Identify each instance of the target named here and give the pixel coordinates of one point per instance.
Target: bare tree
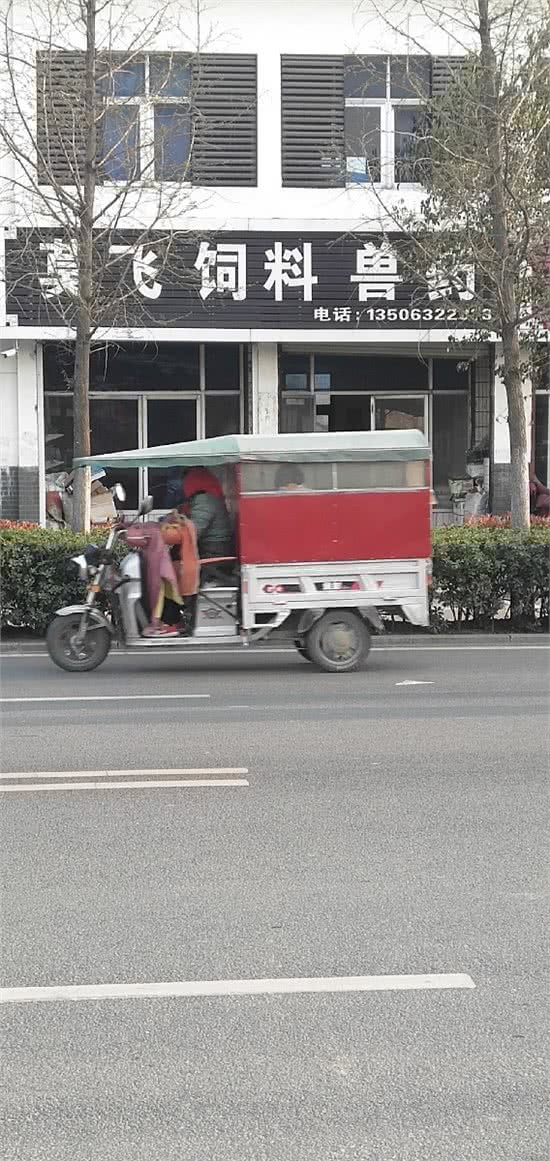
(82, 170)
(482, 154)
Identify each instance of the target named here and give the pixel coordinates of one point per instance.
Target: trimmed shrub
(479, 571)
(482, 570)
(36, 577)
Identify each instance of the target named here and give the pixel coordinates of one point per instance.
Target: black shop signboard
(268, 281)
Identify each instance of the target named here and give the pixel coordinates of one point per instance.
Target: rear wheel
(339, 642)
(77, 657)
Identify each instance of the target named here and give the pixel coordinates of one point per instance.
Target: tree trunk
(81, 436)
(517, 422)
(504, 283)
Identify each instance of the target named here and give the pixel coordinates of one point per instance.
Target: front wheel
(77, 657)
(339, 642)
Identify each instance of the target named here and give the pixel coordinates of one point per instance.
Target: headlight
(82, 566)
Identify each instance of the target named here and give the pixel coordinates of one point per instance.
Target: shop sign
(259, 281)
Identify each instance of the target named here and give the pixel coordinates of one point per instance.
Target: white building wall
(267, 28)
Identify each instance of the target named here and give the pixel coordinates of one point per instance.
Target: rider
(205, 506)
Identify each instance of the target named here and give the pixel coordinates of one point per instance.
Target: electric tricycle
(330, 531)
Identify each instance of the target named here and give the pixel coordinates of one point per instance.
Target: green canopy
(314, 447)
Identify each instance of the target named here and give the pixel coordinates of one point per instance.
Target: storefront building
(297, 333)
(281, 301)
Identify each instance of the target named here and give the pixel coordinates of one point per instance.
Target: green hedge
(477, 573)
(34, 575)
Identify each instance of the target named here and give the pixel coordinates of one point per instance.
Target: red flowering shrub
(505, 521)
(22, 524)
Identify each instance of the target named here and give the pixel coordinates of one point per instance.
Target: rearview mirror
(145, 506)
(119, 493)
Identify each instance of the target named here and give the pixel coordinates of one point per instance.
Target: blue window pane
(172, 142)
(169, 76)
(120, 143)
(124, 80)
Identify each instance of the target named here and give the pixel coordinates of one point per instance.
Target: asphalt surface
(387, 828)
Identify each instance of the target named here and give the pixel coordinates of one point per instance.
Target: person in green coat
(205, 506)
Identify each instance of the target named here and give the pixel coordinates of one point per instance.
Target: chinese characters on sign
(61, 269)
(144, 269)
(461, 282)
(376, 272)
(223, 269)
(289, 268)
(255, 281)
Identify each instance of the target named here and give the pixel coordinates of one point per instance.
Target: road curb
(387, 640)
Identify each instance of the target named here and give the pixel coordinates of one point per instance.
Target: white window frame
(145, 105)
(387, 106)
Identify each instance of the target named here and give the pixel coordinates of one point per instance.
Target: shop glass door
(450, 424)
(168, 419)
(114, 426)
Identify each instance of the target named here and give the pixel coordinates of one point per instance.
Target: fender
(368, 612)
(93, 614)
(371, 614)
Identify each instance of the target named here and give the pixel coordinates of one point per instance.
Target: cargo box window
(285, 477)
(364, 477)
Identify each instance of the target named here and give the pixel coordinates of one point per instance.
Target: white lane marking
(187, 783)
(453, 648)
(258, 987)
(196, 772)
(113, 697)
(414, 683)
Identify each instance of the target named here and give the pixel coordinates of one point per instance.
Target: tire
(302, 650)
(339, 642)
(89, 655)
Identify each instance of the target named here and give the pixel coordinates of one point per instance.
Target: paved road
(386, 829)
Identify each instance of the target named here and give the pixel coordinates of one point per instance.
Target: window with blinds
(163, 117)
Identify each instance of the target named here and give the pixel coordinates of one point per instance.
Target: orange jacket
(178, 531)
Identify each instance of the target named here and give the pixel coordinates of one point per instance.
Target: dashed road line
(155, 784)
(186, 989)
(189, 773)
(111, 697)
